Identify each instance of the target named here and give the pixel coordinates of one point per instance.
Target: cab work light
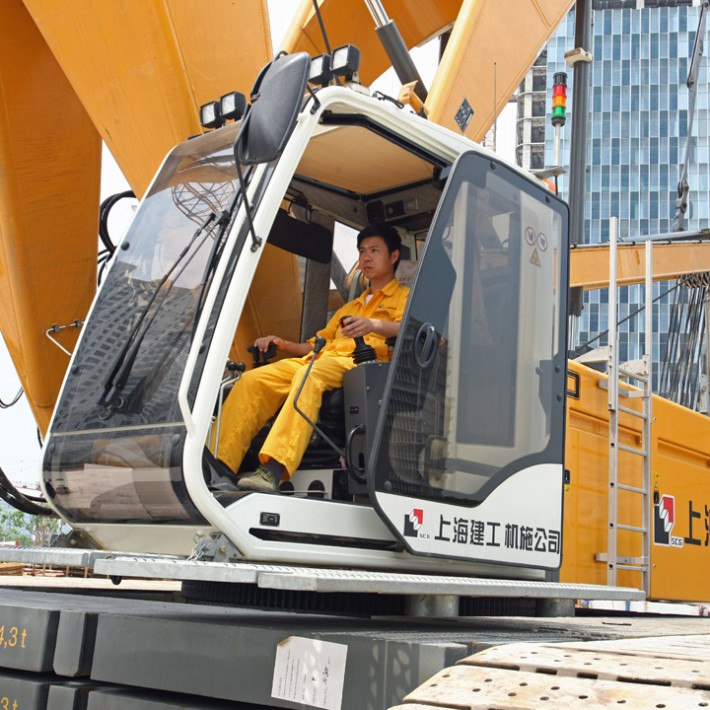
(345, 61)
(232, 106)
(211, 115)
(319, 72)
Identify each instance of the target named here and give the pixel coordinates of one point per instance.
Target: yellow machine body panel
(680, 537)
(482, 67)
(276, 308)
(680, 552)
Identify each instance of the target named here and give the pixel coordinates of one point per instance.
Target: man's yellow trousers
(257, 396)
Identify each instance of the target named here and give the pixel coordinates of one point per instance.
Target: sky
(19, 446)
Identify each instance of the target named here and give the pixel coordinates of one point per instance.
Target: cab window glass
(472, 394)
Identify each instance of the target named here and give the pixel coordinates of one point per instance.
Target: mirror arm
(256, 242)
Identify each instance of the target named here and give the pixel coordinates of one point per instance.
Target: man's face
(375, 261)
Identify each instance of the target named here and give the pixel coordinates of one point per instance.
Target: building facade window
(638, 114)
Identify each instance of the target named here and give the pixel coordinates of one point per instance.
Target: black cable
(669, 375)
(678, 380)
(385, 97)
(20, 502)
(255, 241)
(106, 206)
(102, 263)
(579, 350)
(7, 405)
(322, 27)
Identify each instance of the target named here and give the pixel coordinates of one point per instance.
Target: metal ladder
(641, 377)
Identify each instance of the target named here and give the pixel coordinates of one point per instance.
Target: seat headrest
(405, 271)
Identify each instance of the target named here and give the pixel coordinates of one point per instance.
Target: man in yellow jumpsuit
(259, 393)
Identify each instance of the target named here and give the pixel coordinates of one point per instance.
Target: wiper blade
(213, 261)
(111, 398)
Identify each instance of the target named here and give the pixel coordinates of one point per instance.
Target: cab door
(467, 460)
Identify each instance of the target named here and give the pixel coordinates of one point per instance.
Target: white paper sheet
(310, 672)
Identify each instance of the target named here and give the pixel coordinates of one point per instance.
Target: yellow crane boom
(589, 265)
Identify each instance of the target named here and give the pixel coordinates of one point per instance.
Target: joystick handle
(363, 352)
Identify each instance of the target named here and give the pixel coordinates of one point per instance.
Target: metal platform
(59, 556)
(82, 651)
(333, 591)
(64, 556)
(118, 565)
(312, 579)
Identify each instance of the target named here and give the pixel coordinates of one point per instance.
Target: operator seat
(331, 420)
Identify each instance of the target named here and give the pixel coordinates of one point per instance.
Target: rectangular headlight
(319, 72)
(233, 105)
(345, 60)
(210, 115)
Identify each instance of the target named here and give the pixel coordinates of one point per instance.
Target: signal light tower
(559, 109)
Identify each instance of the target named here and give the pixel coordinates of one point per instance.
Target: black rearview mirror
(276, 102)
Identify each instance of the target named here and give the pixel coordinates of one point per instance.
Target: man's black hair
(389, 235)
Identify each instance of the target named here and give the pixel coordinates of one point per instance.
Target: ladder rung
(640, 452)
(621, 560)
(628, 562)
(636, 561)
(633, 375)
(633, 568)
(630, 528)
(635, 394)
(633, 489)
(639, 392)
(633, 412)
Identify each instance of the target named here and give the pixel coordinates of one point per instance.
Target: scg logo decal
(413, 522)
(663, 520)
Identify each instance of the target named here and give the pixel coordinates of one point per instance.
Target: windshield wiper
(212, 261)
(112, 399)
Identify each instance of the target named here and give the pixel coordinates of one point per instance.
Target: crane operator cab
(451, 449)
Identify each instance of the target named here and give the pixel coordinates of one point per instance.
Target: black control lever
(262, 358)
(317, 347)
(363, 352)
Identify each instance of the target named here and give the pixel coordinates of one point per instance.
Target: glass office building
(637, 128)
